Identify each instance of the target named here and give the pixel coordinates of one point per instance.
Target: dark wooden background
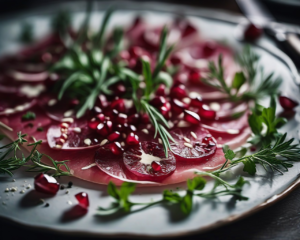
(279, 221)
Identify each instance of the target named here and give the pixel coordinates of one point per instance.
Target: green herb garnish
(28, 116)
(40, 129)
(259, 84)
(9, 164)
(276, 157)
(185, 201)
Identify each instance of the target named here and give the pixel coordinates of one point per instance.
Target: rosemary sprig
(258, 88)
(276, 157)
(152, 80)
(185, 201)
(9, 164)
(158, 121)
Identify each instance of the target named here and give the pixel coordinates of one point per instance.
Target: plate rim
(223, 16)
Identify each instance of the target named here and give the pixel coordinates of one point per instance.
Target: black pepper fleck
(47, 205)
(62, 187)
(70, 184)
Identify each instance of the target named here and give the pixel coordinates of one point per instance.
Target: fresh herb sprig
(259, 86)
(185, 201)
(275, 157)
(264, 124)
(88, 71)
(152, 81)
(10, 163)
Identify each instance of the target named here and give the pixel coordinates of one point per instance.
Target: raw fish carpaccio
(113, 142)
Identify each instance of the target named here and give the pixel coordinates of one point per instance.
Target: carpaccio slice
(74, 136)
(184, 170)
(192, 144)
(76, 141)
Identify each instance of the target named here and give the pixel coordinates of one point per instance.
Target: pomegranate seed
(252, 148)
(178, 106)
(124, 55)
(109, 126)
(101, 129)
(118, 104)
(119, 89)
(74, 102)
(116, 148)
(64, 136)
(156, 166)
(194, 77)
(103, 101)
(132, 128)
(165, 112)
(191, 117)
(104, 128)
(97, 110)
(113, 136)
(158, 101)
(47, 57)
(178, 92)
(189, 29)
(180, 78)
(134, 118)
(206, 112)
(161, 90)
(175, 60)
(132, 139)
(122, 118)
(208, 49)
(135, 51)
(120, 128)
(207, 139)
(145, 118)
(287, 103)
(60, 141)
(112, 114)
(93, 123)
(196, 102)
(46, 184)
(252, 32)
(100, 117)
(83, 199)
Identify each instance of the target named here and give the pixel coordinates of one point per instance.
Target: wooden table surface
(279, 221)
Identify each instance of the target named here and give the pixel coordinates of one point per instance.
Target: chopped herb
(28, 116)
(40, 129)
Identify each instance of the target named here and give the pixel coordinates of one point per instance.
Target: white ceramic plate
(159, 220)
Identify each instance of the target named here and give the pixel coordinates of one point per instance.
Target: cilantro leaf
(197, 183)
(171, 197)
(229, 154)
(186, 203)
(238, 80)
(249, 166)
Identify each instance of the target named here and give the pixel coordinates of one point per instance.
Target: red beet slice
(83, 199)
(46, 184)
(148, 161)
(192, 143)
